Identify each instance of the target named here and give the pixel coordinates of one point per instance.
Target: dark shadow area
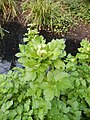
(72, 44)
(9, 45)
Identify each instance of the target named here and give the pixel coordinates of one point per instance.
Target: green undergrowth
(51, 15)
(56, 15)
(50, 86)
(80, 9)
(48, 14)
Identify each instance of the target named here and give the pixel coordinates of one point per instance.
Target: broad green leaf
(49, 94)
(3, 107)
(22, 48)
(40, 77)
(9, 104)
(60, 75)
(39, 92)
(87, 95)
(44, 85)
(30, 75)
(59, 64)
(27, 105)
(67, 110)
(30, 92)
(65, 117)
(18, 117)
(41, 114)
(64, 84)
(19, 109)
(75, 105)
(57, 91)
(83, 82)
(6, 106)
(50, 76)
(29, 118)
(20, 97)
(12, 114)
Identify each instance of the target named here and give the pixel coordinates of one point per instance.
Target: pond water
(9, 45)
(5, 65)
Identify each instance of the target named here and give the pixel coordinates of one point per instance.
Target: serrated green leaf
(19, 109)
(12, 114)
(29, 118)
(9, 104)
(87, 95)
(75, 105)
(40, 77)
(50, 76)
(30, 92)
(6, 106)
(83, 82)
(57, 91)
(59, 64)
(18, 117)
(27, 105)
(41, 114)
(49, 94)
(30, 75)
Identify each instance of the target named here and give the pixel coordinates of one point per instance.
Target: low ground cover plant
(50, 86)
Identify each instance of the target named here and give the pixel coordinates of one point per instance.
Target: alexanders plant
(37, 92)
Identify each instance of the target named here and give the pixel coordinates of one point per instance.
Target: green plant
(84, 55)
(7, 9)
(27, 93)
(74, 103)
(80, 9)
(41, 13)
(47, 87)
(48, 14)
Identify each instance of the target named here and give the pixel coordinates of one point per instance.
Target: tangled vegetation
(52, 15)
(50, 86)
(7, 10)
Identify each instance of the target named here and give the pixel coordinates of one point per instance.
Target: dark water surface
(9, 45)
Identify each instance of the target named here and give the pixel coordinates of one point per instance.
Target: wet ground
(9, 45)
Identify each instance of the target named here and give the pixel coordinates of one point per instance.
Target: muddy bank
(9, 45)
(73, 37)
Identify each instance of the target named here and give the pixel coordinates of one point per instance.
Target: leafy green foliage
(47, 87)
(28, 92)
(80, 9)
(84, 54)
(74, 104)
